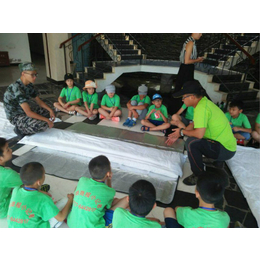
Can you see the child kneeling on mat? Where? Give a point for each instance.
(30, 208)
(94, 201)
(157, 116)
(209, 190)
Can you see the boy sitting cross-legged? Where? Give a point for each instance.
(142, 197)
(94, 201)
(157, 116)
(209, 190)
(30, 208)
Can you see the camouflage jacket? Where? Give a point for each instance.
(16, 94)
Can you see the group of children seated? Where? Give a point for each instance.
(152, 113)
(92, 205)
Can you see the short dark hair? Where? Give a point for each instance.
(142, 196)
(98, 167)
(31, 172)
(3, 142)
(211, 186)
(237, 103)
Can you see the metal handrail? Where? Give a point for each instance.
(137, 41)
(63, 43)
(88, 41)
(114, 45)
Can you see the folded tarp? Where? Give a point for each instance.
(161, 162)
(6, 128)
(245, 167)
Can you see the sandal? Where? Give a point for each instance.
(145, 128)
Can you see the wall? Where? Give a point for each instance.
(54, 56)
(17, 45)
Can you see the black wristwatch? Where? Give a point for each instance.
(181, 133)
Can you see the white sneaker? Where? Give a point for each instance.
(78, 114)
(93, 117)
(71, 112)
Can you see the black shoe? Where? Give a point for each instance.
(191, 180)
(19, 134)
(45, 187)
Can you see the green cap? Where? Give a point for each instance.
(27, 66)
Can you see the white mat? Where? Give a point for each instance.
(245, 167)
(6, 128)
(167, 163)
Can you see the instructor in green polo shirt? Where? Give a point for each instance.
(210, 133)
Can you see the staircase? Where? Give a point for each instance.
(220, 72)
(232, 75)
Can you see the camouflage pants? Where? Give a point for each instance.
(27, 125)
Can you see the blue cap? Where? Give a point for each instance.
(156, 96)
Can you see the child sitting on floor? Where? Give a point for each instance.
(209, 190)
(30, 208)
(157, 116)
(180, 120)
(137, 106)
(90, 99)
(239, 122)
(72, 94)
(8, 178)
(94, 201)
(142, 197)
(110, 105)
(256, 132)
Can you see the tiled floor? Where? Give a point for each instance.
(234, 202)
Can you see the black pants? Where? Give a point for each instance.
(196, 148)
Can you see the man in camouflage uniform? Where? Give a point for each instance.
(26, 120)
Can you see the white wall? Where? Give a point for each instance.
(54, 55)
(17, 45)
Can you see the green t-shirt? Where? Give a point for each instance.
(71, 94)
(189, 112)
(145, 100)
(201, 218)
(91, 199)
(111, 102)
(90, 99)
(163, 110)
(124, 219)
(208, 115)
(30, 209)
(8, 180)
(258, 119)
(240, 121)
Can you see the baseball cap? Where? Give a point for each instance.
(68, 76)
(110, 89)
(189, 87)
(90, 84)
(156, 96)
(27, 66)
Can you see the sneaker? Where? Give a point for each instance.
(115, 118)
(127, 121)
(72, 112)
(132, 123)
(93, 117)
(78, 114)
(191, 180)
(45, 187)
(101, 116)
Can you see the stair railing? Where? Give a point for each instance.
(114, 45)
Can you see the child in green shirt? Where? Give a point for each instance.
(110, 105)
(72, 95)
(157, 116)
(182, 121)
(90, 99)
(209, 190)
(137, 106)
(30, 208)
(238, 121)
(8, 178)
(256, 132)
(94, 202)
(142, 197)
